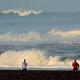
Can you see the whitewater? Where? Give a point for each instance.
(20, 12)
(44, 39)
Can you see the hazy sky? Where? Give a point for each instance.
(46, 5)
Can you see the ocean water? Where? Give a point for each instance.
(44, 39)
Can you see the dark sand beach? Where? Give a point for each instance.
(39, 75)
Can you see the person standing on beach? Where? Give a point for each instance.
(24, 65)
(75, 65)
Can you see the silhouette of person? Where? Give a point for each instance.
(24, 65)
(75, 65)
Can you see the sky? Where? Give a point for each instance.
(45, 5)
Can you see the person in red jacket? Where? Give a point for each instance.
(75, 65)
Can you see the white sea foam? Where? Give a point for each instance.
(66, 36)
(34, 58)
(72, 36)
(32, 36)
(21, 12)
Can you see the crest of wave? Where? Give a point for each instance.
(31, 36)
(21, 12)
(65, 36)
(34, 58)
(72, 36)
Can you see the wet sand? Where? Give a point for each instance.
(39, 75)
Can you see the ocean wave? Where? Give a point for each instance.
(58, 36)
(20, 12)
(31, 36)
(34, 58)
(25, 12)
(66, 36)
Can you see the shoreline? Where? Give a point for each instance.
(39, 75)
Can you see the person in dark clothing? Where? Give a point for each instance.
(24, 65)
(75, 65)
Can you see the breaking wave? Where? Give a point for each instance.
(52, 35)
(20, 12)
(34, 58)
